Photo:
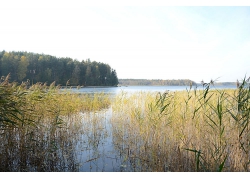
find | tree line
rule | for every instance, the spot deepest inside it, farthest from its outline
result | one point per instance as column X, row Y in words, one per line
column 33, row 67
column 160, row 82
column 155, row 82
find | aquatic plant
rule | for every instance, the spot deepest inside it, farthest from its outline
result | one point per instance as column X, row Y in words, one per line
column 46, row 128
column 192, row 130
column 41, row 126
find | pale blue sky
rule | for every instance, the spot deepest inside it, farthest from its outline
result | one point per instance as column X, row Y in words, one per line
column 147, row 42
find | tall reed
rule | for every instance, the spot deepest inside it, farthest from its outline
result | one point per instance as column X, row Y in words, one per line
column 192, row 130
column 41, row 126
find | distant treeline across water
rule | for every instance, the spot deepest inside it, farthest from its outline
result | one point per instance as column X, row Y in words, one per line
column 160, row 82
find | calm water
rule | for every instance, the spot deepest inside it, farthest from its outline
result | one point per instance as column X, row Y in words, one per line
column 97, row 149
column 131, row 89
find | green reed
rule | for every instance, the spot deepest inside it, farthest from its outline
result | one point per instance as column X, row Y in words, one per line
column 41, row 126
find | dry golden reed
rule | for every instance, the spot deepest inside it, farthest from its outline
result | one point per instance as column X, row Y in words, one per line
column 192, row 130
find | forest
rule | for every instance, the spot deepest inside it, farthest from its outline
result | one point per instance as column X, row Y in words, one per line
column 172, row 82
column 33, row 67
column 155, row 82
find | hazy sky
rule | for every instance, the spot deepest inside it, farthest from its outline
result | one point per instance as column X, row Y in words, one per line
column 148, row 42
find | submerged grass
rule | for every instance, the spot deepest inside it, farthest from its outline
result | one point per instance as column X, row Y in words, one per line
column 192, row 130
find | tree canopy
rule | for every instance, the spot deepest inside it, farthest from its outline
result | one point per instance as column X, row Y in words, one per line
column 33, row 67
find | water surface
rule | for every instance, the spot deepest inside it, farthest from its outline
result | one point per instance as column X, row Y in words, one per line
column 132, row 89
column 98, row 148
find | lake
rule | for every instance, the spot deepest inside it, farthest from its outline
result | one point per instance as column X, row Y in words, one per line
column 131, row 89
column 101, row 147
column 137, row 132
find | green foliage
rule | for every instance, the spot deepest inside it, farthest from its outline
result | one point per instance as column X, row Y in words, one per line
column 9, row 114
column 46, row 68
column 39, row 125
column 22, row 68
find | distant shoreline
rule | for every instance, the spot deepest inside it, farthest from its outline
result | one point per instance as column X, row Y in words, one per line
column 80, row 87
column 167, row 82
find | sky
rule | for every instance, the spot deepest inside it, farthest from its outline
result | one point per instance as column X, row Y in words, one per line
column 139, row 39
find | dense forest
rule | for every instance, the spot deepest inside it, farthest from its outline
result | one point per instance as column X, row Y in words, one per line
column 32, row 67
column 155, row 82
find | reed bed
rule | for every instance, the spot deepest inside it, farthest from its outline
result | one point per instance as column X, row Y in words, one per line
column 184, row 131
column 46, row 128
column 41, row 126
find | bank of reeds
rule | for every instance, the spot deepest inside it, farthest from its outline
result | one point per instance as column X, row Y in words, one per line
column 192, row 130
column 41, row 126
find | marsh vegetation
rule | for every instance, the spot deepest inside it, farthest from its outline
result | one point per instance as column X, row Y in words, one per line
column 42, row 125
column 192, row 130
column 45, row 128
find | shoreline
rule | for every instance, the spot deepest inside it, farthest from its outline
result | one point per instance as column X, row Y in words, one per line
column 80, row 87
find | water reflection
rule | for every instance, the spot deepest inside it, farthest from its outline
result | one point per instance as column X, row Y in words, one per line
column 132, row 89
column 96, row 152
column 105, row 146
column 99, row 148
